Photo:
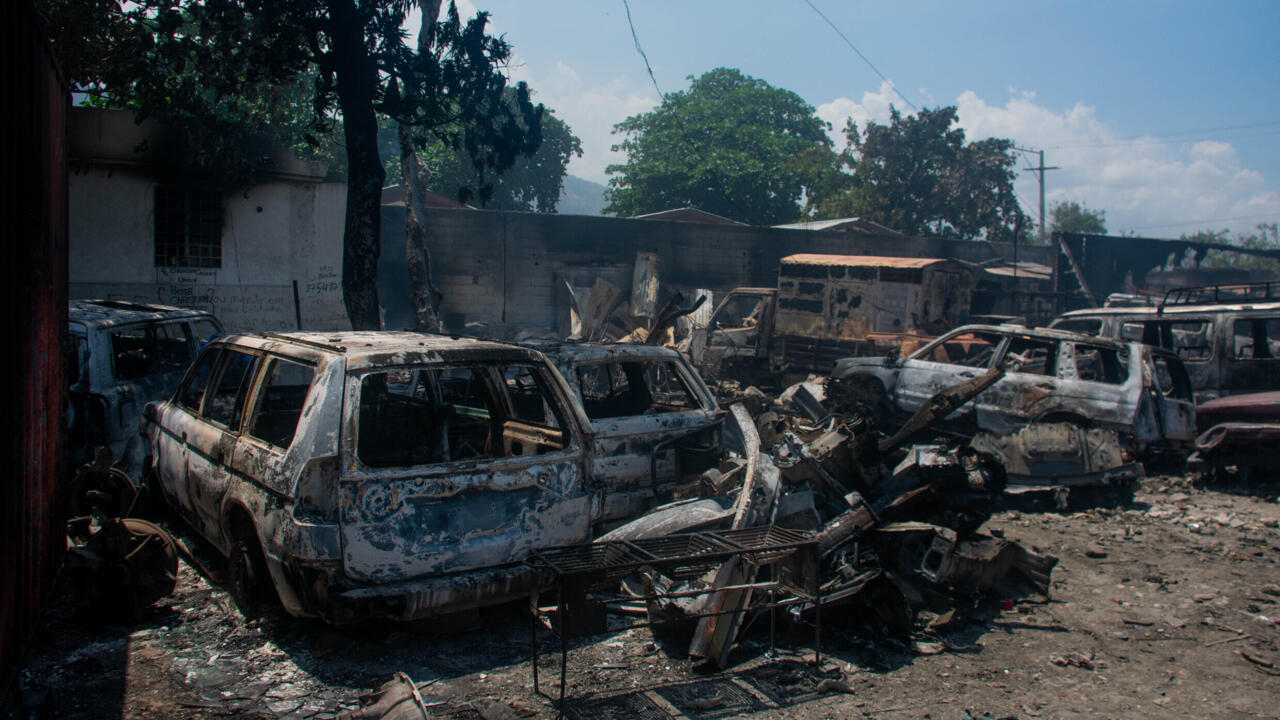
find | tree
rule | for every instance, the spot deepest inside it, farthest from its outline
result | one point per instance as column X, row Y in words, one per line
column 918, row 176
column 533, row 184
column 1266, row 236
column 218, row 64
column 731, row 145
column 1073, row 217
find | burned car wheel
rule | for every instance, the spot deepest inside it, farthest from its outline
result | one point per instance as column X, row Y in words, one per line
column 247, row 578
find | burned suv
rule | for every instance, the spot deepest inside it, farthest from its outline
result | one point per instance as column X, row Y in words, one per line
column 1140, row 392
column 124, row 355
column 375, row 473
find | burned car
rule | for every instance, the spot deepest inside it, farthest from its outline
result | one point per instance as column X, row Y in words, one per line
column 124, row 355
column 653, row 420
column 385, row 474
column 1140, row 393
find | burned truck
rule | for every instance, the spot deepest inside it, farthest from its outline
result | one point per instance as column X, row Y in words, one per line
column 828, row 307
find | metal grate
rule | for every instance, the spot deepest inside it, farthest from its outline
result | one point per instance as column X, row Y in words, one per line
column 1222, row 294
column 619, row 557
column 188, row 228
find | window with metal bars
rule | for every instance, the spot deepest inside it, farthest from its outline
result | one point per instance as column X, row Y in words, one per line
column 188, row 227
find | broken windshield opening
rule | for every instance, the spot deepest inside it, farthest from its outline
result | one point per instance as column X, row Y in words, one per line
column 621, row 389
column 422, row 416
column 973, row 349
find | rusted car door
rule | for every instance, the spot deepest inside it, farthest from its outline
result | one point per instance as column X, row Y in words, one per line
column 180, row 420
column 440, row 474
column 262, row 452
column 1251, row 361
column 640, row 410
column 739, row 332
column 1175, row 401
column 211, row 442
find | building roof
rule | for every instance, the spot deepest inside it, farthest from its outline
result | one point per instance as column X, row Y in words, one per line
column 1028, row 270
column 688, row 214
column 860, row 260
column 393, row 195
column 842, row 225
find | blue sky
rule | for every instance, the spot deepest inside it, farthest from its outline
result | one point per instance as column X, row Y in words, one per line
column 1164, row 114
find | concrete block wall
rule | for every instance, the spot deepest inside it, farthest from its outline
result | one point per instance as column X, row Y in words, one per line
column 506, row 270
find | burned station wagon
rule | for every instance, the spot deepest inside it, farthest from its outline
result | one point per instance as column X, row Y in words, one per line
column 1141, row 392
column 374, row 473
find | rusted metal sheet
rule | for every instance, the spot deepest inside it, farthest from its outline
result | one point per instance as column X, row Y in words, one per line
column 1060, row 455
column 875, row 261
column 644, row 285
column 32, row 533
column 850, row 297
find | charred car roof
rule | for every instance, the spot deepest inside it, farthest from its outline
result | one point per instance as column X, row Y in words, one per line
column 108, row 313
column 382, row 348
column 1046, row 333
column 1171, row 310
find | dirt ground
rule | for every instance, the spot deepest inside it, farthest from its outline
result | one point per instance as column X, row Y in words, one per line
column 1165, row 607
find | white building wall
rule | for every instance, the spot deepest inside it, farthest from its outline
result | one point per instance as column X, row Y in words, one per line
column 274, row 235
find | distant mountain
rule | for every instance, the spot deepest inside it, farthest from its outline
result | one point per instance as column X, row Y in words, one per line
column 580, row 197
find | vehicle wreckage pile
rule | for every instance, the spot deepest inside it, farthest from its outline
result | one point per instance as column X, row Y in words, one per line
column 889, row 527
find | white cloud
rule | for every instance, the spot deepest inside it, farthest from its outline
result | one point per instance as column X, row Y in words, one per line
column 590, row 110
column 873, row 106
column 1146, row 184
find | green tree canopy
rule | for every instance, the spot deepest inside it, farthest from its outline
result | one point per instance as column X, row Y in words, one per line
column 731, row 145
column 216, row 67
column 1266, row 236
column 918, row 176
column 1074, row 217
column 532, row 184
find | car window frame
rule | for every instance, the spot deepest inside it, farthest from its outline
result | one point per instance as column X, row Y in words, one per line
column 492, row 375
column 249, row 388
column 259, row 388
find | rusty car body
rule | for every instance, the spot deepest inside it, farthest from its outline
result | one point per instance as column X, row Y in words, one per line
column 827, row 307
column 1140, row 392
column 124, row 355
column 359, row 474
column 1238, row 432
column 653, row 421
column 1228, row 348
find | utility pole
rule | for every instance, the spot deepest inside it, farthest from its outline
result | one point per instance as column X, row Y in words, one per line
column 1039, row 170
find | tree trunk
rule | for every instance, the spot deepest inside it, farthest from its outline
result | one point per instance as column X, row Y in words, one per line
column 422, row 291
column 357, row 83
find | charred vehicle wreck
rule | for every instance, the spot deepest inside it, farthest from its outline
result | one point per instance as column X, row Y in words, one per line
column 1065, row 409
column 892, row 527
column 403, row 475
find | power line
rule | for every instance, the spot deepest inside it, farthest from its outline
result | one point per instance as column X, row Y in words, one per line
column 1206, row 222
column 1171, row 133
column 640, row 50
column 1158, row 140
column 853, row 47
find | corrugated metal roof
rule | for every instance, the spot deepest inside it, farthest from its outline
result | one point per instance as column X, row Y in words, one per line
column 1024, row 270
column 842, row 225
column 860, row 260
column 688, row 214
